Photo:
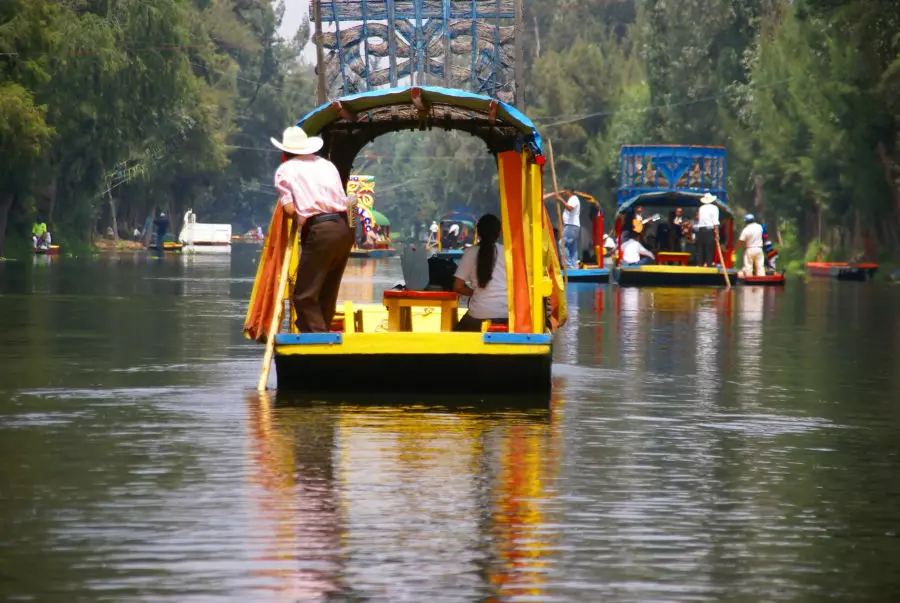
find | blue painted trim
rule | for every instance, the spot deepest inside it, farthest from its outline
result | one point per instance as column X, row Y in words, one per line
column 309, row 338
column 447, row 74
column 474, row 39
column 365, row 33
column 337, row 37
column 392, row 55
column 418, row 33
column 585, row 272
column 518, row 338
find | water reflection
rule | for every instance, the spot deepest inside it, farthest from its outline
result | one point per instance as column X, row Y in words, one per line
column 392, row 502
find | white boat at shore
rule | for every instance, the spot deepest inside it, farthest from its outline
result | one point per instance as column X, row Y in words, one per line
column 204, row 238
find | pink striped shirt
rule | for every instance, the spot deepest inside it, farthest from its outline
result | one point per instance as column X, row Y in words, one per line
column 313, row 185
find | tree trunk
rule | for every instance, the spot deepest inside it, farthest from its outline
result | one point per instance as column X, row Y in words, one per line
column 115, row 223
column 6, row 201
column 759, row 200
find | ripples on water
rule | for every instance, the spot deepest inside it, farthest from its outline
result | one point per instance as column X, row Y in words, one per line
column 699, row 446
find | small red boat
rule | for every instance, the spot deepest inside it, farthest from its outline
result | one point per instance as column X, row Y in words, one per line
column 769, row 280
column 842, row 271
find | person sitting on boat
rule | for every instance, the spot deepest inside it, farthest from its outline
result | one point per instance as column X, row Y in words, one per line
column 259, row 232
column 752, row 237
column 633, row 253
column 769, row 251
column 40, row 236
column 707, row 228
column 481, row 276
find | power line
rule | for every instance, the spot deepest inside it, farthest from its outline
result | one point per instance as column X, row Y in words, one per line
column 706, row 99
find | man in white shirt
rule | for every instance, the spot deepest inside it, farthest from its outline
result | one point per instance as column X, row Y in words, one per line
column 633, row 253
column 571, row 218
column 313, row 194
column 752, row 237
column 707, row 230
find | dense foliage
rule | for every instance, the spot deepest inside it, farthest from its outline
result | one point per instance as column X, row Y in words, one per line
column 113, row 109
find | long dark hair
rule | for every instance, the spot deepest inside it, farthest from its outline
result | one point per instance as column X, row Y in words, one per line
column 488, row 231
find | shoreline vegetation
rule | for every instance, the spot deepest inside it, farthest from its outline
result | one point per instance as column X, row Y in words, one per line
column 111, row 112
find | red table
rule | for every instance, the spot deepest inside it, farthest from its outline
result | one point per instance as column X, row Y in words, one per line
column 673, row 257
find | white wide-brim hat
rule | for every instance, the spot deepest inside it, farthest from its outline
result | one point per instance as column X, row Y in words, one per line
column 707, row 198
column 295, row 141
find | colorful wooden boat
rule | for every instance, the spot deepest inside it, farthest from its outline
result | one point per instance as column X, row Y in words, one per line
column 167, row 246
column 652, row 275
column 358, row 356
column 52, row 250
column 842, row 271
column 588, row 274
column 373, row 254
column 769, row 280
column 669, row 177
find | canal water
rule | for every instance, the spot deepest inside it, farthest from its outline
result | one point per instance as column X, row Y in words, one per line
column 700, row 445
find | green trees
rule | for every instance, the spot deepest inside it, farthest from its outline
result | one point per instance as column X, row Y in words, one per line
column 113, row 109
column 803, row 94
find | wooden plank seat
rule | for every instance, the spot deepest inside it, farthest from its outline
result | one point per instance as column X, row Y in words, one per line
column 399, row 304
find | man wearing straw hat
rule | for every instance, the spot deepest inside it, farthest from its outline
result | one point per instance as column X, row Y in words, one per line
column 313, row 194
column 707, row 230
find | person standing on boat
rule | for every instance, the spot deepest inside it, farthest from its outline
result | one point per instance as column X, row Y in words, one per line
column 707, row 230
column 312, row 192
column 752, row 237
column 162, row 227
column 481, row 276
column 571, row 218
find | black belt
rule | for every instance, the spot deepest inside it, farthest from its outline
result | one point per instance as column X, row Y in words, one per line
column 335, row 217
column 325, row 218
column 706, row 228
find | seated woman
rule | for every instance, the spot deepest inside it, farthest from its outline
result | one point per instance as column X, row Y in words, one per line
column 482, row 277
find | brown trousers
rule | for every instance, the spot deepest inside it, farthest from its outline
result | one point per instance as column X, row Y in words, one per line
column 324, row 251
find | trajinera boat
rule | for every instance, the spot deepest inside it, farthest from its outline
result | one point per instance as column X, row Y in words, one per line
column 663, row 178
column 204, row 238
column 447, row 245
column 369, row 221
column 843, row 271
column 420, row 355
column 596, row 272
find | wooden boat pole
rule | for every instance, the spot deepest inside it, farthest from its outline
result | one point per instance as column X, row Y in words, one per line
column 722, row 257
column 562, row 260
column 277, row 314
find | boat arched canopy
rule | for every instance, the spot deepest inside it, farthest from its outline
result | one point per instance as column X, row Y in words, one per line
column 348, row 123
column 671, row 199
column 460, row 214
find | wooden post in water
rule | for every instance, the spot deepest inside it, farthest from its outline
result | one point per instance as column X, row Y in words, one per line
column 320, row 53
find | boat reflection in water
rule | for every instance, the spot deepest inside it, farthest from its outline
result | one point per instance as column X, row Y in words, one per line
column 391, row 501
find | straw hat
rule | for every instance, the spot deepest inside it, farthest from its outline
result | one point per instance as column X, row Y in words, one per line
column 707, row 198
column 295, row 141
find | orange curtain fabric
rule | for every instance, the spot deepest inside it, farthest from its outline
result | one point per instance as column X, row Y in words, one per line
column 262, row 300
column 510, row 172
